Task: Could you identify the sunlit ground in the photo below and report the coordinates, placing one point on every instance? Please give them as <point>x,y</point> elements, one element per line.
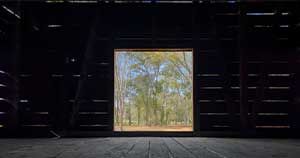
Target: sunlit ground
<point>155,128</point>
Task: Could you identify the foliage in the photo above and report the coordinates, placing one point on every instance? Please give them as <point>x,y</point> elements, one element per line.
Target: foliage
<point>153,88</point>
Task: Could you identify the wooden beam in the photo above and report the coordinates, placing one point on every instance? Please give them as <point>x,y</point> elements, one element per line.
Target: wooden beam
<point>294,63</point>
<point>196,108</point>
<point>244,109</point>
<point>111,108</point>
<point>84,71</point>
<point>294,84</point>
<point>12,114</point>
<point>260,91</point>
<point>294,109</point>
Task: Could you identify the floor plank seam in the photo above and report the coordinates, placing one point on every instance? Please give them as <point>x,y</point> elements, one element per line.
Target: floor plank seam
<point>220,155</point>
<point>145,147</point>
<point>109,150</point>
<point>129,150</point>
<point>184,147</point>
<point>214,152</point>
<point>93,148</point>
<point>58,154</point>
<point>169,150</point>
<point>148,149</point>
<point>125,154</point>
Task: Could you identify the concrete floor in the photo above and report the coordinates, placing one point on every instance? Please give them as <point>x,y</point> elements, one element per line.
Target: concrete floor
<point>150,147</point>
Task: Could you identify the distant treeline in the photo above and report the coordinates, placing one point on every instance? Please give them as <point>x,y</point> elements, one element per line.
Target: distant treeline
<point>153,88</point>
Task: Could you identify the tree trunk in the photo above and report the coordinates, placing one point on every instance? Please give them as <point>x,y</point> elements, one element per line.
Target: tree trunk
<point>129,116</point>
<point>139,115</point>
<point>121,113</point>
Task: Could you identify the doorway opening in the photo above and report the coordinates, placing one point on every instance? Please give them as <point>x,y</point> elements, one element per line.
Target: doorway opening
<point>153,90</point>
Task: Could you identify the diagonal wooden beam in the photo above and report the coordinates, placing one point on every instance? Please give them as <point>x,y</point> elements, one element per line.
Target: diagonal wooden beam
<point>88,55</point>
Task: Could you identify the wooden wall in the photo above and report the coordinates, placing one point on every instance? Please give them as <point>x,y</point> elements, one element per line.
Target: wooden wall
<point>65,62</point>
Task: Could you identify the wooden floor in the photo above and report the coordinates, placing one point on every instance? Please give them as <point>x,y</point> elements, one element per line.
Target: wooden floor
<point>149,147</point>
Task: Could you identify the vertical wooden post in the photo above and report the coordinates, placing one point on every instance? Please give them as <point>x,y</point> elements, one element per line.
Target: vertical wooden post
<point>16,47</point>
<point>294,71</point>
<point>196,108</point>
<point>244,109</point>
<point>230,105</point>
<point>297,77</point>
<point>243,91</point>
<point>111,108</point>
<point>296,106</point>
<point>294,98</point>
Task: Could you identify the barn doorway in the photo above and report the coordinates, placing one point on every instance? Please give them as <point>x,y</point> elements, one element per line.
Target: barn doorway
<point>153,90</point>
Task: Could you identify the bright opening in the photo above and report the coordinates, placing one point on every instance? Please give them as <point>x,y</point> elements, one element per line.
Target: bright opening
<point>153,90</point>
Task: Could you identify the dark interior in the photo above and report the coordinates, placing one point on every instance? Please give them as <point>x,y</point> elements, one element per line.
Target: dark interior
<point>57,63</point>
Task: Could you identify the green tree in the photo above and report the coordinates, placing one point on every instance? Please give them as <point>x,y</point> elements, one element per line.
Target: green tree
<point>153,88</point>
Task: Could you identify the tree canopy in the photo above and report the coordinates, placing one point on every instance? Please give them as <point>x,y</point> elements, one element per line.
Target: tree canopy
<point>153,88</point>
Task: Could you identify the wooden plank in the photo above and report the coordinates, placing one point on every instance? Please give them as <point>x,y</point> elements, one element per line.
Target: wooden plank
<point>222,148</point>
<point>235,148</point>
<point>140,149</point>
<point>217,121</point>
<point>177,150</point>
<point>209,81</point>
<point>3,117</point>
<point>279,81</point>
<point>83,73</point>
<point>157,149</point>
<point>212,107</point>
<point>260,91</point>
<point>119,147</point>
<point>196,108</point>
<point>93,127</point>
<point>276,93</point>
<point>210,94</point>
<point>244,109</point>
<point>223,7</point>
<point>279,119</point>
<point>38,147</point>
<point>278,66</point>
<point>102,147</point>
<point>294,63</point>
<point>170,17</point>
<point>269,107</point>
<point>197,148</point>
<point>34,106</point>
<point>6,79</point>
<point>271,93</point>
<point>5,105</point>
<point>99,69</point>
<point>87,147</point>
<point>94,105</point>
<point>111,86</point>
<point>95,89</point>
<point>130,15</point>
<point>15,148</point>
<point>122,150</point>
<point>35,119</point>
<point>270,147</point>
<point>91,119</point>
<point>231,106</point>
